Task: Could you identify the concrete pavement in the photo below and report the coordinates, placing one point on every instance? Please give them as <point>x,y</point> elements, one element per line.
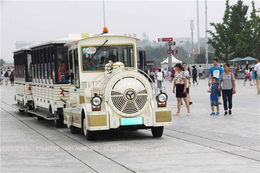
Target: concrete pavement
<point>196,143</point>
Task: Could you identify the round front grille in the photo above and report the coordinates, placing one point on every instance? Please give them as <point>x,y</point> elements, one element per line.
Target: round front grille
<point>129,96</point>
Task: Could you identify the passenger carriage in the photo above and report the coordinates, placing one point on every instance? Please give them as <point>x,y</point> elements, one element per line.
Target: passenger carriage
<point>100,87</point>
<point>23,78</point>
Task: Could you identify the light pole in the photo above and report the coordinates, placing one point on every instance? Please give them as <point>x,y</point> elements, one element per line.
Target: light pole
<point>198,26</point>
<point>206,28</point>
<point>191,29</point>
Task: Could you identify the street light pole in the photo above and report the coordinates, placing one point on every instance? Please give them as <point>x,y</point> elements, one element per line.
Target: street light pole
<point>206,28</point>
<point>198,26</point>
<point>191,29</point>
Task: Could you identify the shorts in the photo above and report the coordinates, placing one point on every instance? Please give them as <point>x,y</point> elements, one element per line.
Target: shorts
<point>214,102</point>
<point>179,91</point>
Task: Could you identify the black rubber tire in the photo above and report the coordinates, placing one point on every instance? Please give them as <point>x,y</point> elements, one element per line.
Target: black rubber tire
<point>40,118</point>
<point>91,135</point>
<point>157,131</point>
<point>21,110</point>
<point>59,122</point>
<point>74,130</point>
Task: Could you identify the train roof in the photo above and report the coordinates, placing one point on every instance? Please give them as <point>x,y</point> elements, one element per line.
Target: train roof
<point>91,36</point>
<point>70,38</point>
<point>25,47</point>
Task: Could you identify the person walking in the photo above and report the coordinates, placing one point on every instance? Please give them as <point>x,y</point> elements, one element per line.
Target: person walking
<point>228,88</point>
<point>214,96</point>
<point>257,72</point>
<point>172,74</point>
<point>247,75</point>
<point>180,83</point>
<point>252,73</point>
<point>12,78</point>
<point>187,75</point>
<point>194,75</point>
<point>6,75</point>
<point>216,72</point>
<point>200,71</point>
<point>151,75</point>
<point>159,78</point>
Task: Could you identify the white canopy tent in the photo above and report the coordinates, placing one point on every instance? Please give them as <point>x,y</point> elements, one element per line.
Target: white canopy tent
<point>164,64</point>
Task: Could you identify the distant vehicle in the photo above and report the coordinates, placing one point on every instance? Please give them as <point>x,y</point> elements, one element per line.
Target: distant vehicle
<point>90,83</point>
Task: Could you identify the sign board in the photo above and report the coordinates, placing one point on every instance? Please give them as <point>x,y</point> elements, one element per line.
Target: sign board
<point>165,39</point>
<point>171,43</point>
<point>172,51</point>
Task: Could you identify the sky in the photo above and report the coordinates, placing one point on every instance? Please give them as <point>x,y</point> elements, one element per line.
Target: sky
<point>45,20</point>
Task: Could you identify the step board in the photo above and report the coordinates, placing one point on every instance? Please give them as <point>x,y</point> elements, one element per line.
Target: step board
<point>43,115</point>
<point>19,107</point>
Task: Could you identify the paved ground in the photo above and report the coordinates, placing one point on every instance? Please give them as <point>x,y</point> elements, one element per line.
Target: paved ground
<point>196,143</point>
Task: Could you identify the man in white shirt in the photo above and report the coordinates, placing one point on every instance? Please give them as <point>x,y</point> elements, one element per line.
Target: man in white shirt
<point>257,71</point>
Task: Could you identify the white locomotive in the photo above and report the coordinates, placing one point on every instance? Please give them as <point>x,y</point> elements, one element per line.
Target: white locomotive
<point>92,83</point>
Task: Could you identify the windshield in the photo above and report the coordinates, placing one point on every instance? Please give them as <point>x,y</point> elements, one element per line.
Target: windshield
<point>102,56</point>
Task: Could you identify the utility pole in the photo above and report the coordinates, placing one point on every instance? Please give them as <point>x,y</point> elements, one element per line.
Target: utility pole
<point>198,26</point>
<point>191,29</point>
<point>206,28</point>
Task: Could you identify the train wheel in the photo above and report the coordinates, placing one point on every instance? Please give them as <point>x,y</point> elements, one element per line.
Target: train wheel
<point>89,134</point>
<point>59,122</point>
<point>39,118</point>
<point>74,130</point>
<point>157,131</point>
<point>21,110</point>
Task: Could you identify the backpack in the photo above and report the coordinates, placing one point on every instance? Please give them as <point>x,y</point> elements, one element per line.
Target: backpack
<point>6,74</point>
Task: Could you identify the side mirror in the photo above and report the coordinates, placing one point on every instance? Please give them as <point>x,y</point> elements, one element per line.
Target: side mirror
<point>72,76</point>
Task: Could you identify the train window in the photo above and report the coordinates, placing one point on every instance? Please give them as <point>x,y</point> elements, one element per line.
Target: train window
<point>29,67</point>
<point>76,64</point>
<point>63,67</point>
<point>39,65</point>
<point>95,58</point>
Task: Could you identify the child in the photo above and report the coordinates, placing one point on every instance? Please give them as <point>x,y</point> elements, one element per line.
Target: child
<point>214,93</point>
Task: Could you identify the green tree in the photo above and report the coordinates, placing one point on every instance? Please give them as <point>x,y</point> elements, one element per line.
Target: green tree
<point>238,25</point>
<point>2,62</point>
<point>247,42</point>
<point>225,40</point>
<point>201,58</point>
<point>221,39</point>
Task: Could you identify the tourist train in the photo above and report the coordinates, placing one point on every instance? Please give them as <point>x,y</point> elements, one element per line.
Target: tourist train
<point>89,82</point>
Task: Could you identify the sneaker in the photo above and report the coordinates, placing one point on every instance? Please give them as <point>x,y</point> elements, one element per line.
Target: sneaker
<point>225,114</point>
<point>217,113</point>
<point>229,112</point>
<point>188,114</point>
<point>212,113</point>
<point>190,103</point>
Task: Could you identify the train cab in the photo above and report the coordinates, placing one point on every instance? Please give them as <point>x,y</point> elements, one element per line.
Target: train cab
<point>108,92</point>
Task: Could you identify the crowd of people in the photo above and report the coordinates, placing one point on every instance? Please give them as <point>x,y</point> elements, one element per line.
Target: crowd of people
<point>7,74</point>
<point>221,83</point>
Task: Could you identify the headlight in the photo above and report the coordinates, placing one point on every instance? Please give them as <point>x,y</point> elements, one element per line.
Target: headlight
<point>96,101</point>
<point>162,97</point>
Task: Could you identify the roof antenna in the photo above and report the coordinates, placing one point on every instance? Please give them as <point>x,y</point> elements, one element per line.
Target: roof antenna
<point>105,30</point>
